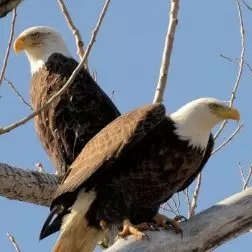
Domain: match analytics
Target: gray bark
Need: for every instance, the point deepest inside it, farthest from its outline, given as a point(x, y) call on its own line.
point(207, 230)
point(25, 185)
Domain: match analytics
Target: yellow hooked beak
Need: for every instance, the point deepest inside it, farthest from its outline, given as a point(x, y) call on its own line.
point(229, 113)
point(19, 44)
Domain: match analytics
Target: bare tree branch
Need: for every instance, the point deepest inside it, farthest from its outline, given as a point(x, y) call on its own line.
point(167, 51)
point(227, 219)
point(187, 200)
point(245, 180)
point(194, 201)
point(241, 66)
point(75, 31)
point(229, 139)
point(7, 53)
point(25, 185)
point(247, 5)
point(245, 186)
point(18, 94)
point(207, 230)
point(70, 80)
point(14, 242)
point(172, 205)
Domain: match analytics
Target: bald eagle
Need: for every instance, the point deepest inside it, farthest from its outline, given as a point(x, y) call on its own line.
point(76, 116)
point(129, 169)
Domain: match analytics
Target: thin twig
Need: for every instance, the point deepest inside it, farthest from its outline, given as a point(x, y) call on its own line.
point(245, 180)
point(241, 66)
point(242, 174)
point(228, 139)
point(236, 61)
point(75, 31)
point(195, 197)
point(167, 51)
point(249, 67)
point(229, 58)
point(70, 80)
point(187, 199)
point(7, 53)
point(168, 208)
point(247, 5)
point(245, 186)
point(176, 204)
point(242, 57)
point(14, 242)
point(18, 94)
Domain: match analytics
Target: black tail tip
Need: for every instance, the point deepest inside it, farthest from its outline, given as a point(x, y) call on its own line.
point(42, 236)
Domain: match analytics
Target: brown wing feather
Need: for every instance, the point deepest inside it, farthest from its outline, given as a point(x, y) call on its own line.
point(74, 118)
point(111, 142)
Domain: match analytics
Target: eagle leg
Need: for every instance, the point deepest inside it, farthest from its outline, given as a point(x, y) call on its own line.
point(130, 229)
point(165, 222)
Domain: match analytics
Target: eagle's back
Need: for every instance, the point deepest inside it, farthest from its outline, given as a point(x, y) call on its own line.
point(137, 184)
point(75, 117)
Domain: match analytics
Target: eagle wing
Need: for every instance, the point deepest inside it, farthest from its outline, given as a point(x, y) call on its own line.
point(73, 119)
point(110, 143)
point(207, 155)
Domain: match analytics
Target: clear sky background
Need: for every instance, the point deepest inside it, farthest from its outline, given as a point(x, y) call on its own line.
point(127, 57)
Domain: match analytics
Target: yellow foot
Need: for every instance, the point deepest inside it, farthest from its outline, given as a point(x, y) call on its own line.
point(165, 222)
point(130, 229)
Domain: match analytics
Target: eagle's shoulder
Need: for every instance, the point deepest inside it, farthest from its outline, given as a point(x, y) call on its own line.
point(111, 143)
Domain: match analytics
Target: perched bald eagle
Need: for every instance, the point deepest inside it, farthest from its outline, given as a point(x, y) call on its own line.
point(76, 116)
point(130, 168)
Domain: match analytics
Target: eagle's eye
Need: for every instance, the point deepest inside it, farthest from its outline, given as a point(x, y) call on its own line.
point(213, 105)
point(35, 35)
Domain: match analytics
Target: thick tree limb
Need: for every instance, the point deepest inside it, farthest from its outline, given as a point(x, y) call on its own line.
point(207, 230)
point(29, 186)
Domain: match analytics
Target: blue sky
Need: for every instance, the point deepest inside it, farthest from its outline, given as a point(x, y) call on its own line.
point(127, 57)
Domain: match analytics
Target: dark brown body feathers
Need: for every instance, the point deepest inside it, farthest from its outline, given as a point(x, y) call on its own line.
point(75, 117)
point(134, 164)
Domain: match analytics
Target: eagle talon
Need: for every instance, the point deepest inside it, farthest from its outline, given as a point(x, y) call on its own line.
point(130, 229)
point(166, 223)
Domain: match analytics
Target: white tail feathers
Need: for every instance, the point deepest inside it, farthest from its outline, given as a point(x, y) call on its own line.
point(76, 235)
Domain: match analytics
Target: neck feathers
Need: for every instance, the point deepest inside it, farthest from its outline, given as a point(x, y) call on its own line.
point(39, 56)
point(193, 127)
point(197, 138)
